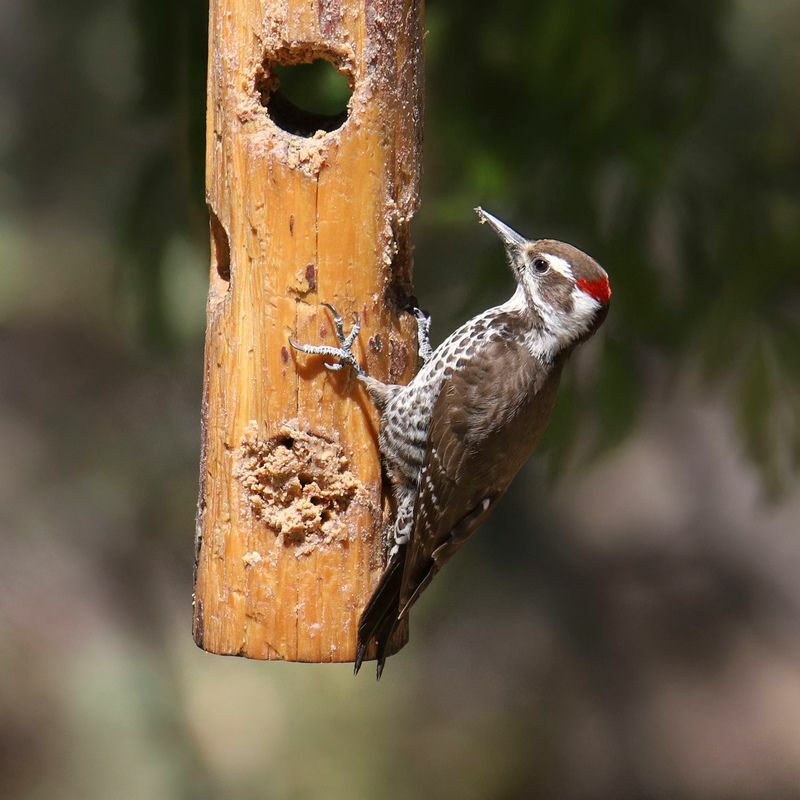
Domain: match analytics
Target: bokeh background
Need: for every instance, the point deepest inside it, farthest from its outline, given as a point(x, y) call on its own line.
point(628, 625)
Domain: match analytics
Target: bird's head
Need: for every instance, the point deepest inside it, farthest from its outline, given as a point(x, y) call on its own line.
point(567, 289)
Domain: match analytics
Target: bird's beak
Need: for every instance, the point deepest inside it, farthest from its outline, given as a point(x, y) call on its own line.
point(509, 236)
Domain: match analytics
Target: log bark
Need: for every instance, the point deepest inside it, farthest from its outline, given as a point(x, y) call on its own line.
point(292, 510)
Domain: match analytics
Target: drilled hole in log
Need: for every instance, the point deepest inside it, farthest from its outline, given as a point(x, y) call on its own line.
point(222, 247)
point(305, 91)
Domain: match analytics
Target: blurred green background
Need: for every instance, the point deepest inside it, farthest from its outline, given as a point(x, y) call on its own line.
point(627, 626)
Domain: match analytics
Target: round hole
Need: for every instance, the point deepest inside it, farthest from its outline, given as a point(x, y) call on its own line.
point(302, 99)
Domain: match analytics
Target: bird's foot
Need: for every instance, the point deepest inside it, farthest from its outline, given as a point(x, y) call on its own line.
point(344, 353)
point(424, 349)
point(400, 538)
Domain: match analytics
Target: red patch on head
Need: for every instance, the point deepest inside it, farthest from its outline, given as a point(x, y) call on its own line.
point(600, 289)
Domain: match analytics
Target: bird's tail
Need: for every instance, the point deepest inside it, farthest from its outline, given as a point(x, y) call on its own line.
point(380, 617)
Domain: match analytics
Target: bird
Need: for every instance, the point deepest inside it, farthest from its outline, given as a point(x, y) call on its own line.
point(452, 439)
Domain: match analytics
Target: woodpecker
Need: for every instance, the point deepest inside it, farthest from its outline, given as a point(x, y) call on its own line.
point(452, 440)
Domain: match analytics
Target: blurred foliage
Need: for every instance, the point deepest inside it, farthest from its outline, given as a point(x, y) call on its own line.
point(168, 192)
point(621, 126)
point(318, 86)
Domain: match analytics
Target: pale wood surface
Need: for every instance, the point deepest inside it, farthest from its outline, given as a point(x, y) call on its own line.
point(285, 567)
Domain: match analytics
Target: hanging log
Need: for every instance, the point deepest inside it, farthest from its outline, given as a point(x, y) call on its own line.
point(305, 208)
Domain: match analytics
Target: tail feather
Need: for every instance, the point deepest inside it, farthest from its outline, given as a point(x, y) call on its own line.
point(379, 619)
point(384, 637)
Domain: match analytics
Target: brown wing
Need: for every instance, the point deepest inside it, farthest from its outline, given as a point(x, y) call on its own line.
point(489, 414)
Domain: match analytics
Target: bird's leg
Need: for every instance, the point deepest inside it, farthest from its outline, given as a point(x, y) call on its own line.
point(424, 349)
point(344, 352)
point(378, 391)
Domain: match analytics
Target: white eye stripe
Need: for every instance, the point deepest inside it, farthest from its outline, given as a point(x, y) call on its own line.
point(559, 265)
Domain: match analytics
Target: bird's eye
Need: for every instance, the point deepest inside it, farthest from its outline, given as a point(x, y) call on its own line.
point(541, 265)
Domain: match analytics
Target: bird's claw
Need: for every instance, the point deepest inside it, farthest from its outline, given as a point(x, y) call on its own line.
point(303, 348)
point(354, 331)
point(345, 350)
point(423, 332)
point(338, 323)
point(419, 313)
point(345, 342)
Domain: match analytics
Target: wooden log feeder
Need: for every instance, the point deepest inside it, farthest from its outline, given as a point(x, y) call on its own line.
point(305, 208)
